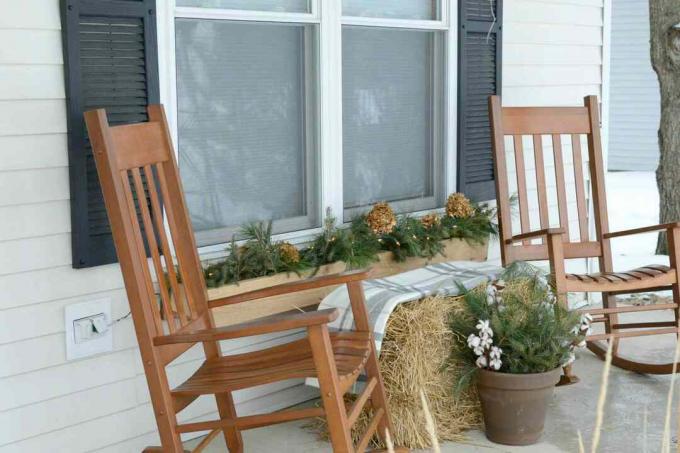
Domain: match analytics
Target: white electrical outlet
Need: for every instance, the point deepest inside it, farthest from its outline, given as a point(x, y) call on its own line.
point(88, 329)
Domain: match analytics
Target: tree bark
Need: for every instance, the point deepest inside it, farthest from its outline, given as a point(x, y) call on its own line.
point(664, 18)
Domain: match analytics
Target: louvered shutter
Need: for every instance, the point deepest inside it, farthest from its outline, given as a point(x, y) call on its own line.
point(111, 62)
point(479, 66)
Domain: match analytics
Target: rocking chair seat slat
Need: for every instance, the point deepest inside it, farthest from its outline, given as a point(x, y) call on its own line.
point(654, 275)
point(276, 364)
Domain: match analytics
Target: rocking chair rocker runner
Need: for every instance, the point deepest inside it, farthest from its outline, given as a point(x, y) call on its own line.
point(140, 183)
point(556, 244)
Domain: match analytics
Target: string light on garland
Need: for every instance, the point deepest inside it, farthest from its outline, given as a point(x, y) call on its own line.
point(459, 206)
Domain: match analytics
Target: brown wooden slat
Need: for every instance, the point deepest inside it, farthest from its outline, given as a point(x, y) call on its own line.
point(370, 431)
point(174, 230)
point(580, 187)
point(541, 187)
point(545, 120)
point(561, 185)
point(153, 247)
point(165, 244)
point(520, 171)
point(359, 404)
point(137, 238)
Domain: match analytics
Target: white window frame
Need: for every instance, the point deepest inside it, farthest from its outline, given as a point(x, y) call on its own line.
point(327, 14)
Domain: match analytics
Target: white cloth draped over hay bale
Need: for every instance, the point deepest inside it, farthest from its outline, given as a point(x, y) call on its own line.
point(410, 314)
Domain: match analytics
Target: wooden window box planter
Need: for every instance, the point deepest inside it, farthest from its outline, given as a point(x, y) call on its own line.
point(454, 249)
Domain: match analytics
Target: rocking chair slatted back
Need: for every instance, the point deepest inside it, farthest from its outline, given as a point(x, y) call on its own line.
point(561, 127)
point(137, 173)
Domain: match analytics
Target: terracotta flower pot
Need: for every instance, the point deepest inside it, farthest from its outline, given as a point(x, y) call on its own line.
point(514, 405)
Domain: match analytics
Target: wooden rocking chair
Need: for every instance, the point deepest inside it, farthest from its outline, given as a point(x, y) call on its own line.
point(136, 163)
point(556, 244)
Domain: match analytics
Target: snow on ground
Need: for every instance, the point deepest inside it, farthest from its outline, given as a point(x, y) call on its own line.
point(633, 201)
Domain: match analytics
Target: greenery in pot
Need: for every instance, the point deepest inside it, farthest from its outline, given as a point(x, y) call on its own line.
point(514, 325)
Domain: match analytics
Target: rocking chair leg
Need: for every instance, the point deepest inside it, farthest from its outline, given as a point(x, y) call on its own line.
point(331, 396)
point(225, 406)
point(568, 377)
point(378, 398)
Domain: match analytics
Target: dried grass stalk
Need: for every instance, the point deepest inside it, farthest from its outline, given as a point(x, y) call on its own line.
point(414, 357)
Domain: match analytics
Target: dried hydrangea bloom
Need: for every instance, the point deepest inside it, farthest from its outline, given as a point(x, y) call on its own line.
point(289, 253)
point(458, 206)
point(381, 219)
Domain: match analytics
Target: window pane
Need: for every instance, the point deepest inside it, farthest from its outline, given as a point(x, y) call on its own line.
point(245, 107)
point(392, 9)
point(388, 117)
point(288, 6)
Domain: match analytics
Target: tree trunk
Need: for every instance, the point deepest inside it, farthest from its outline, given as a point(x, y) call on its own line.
point(664, 18)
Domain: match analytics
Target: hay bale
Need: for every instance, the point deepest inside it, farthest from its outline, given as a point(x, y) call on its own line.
point(414, 357)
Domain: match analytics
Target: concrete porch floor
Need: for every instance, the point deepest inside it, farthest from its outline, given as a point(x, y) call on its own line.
point(634, 416)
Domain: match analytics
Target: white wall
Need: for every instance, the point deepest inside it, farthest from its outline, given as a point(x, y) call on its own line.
point(635, 100)
point(552, 56)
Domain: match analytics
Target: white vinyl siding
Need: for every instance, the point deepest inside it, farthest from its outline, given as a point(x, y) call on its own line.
point(635, 99)
point(101, 403)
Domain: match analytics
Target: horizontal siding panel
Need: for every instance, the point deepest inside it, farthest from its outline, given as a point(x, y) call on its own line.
point(31, 220)
point(548, 96)
point(44, 14)
point(539, 75)
point(32, 82)
point(21, 152)
point(32, 117)
point(547, 54)
point(59, 413)
point(138, 423)
point(35, 253)
point(21, 357)
point(30, 46)
point(67, 378)
point(57, 283)
point(36, 320)
point(521, 33)
point(528, 11)
point(34, 186)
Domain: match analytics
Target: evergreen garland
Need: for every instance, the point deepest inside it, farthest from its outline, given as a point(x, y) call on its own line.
point(357, 245)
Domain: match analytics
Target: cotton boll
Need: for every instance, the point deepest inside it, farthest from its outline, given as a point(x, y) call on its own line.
point(481, 362)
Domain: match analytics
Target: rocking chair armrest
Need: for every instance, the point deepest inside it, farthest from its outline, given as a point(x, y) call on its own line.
point(647, 229)
point(293, 287)
point(276, 323)
point(534, 234)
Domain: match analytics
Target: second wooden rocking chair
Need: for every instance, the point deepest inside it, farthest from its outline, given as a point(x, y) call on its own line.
point(141, 185)
point(557, 245)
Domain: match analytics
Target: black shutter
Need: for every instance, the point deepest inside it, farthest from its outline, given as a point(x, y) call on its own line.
point(479, 76)
point(111, 62)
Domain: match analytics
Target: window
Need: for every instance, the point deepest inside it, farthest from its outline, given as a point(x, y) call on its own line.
point(398, 9)
point(246, 124)
point(283, 108)
point(390, 88)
